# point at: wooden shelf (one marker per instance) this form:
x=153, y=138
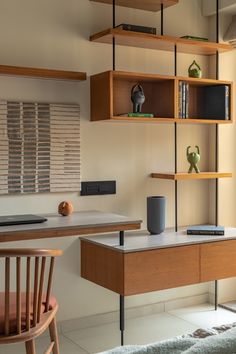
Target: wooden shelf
x=42, y=73
x=110, y=98
x=157, y=120
x=148, y=5
x=166, y=43
x=191, y=176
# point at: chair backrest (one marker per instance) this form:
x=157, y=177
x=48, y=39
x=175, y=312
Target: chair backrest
x=29, y=282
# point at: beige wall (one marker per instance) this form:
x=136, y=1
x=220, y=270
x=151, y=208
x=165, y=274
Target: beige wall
x=54, y=34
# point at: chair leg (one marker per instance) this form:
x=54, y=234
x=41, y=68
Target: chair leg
x=30, y=347
x=54, y=336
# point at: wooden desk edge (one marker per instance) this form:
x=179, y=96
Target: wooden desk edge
x=63, y=232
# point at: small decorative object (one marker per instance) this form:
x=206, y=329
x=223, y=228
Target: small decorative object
x=194, y=70
x=193, y=158
x=138, y=98
x=65, y=208
x=156, y=214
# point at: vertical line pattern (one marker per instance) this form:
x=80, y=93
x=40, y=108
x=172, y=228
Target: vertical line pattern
x=39, y=147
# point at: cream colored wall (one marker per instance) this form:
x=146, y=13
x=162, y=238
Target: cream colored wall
x=54, y=34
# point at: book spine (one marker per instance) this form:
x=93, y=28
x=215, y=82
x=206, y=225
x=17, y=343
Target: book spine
x=227, y=102
x=187, y=101
x=180, y=100
x=184, y=100
x=199, y=232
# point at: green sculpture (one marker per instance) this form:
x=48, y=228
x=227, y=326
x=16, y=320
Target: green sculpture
x=194, y=70
x=193, y=158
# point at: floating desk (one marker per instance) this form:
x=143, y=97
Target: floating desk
x=79, y=223
x=150, y=263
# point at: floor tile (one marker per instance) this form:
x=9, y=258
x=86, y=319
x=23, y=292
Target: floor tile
x=138, y=331
x=66, y=347
x=205, y=315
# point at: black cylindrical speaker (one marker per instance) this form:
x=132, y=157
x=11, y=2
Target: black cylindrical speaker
x=156, y=206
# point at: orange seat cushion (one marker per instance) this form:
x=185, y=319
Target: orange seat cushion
x=13, y=308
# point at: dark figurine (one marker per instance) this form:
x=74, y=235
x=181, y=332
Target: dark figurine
x=138, y=98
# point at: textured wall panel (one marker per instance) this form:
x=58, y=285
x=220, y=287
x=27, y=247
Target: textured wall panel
x=39, y=147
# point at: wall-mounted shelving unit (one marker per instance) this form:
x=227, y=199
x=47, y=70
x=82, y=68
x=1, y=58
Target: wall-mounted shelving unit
x=110, y=93
x=147, y=5
x=42, y=73
x=110, y=97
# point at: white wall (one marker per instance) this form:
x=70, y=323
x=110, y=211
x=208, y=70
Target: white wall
x=54, y=34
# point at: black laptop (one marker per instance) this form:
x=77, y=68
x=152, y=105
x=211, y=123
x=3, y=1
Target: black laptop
x=21, y=219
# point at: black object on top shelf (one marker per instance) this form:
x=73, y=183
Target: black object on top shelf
x=137, y=28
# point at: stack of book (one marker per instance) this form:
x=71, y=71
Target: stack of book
x=183, y=99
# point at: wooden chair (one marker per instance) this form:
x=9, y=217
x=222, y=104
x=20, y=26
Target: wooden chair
x=27, y=311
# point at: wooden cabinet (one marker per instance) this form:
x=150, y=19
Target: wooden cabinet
x=139, y=272
x=218, y=260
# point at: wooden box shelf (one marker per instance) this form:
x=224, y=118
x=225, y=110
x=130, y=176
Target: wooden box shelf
x=158, y=42
x=191, y=176
x=110, y=98
x=199, y=102
x=110, y=94
x=148, y=5
x=42, y=73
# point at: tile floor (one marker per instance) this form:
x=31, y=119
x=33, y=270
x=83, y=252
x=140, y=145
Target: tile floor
x=138, y=331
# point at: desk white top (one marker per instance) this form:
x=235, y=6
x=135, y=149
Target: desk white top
x=142, y=240
x=78, y=223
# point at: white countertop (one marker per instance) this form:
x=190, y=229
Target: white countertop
x=141, y=240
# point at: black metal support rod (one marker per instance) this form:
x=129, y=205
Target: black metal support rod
x=176, y=206
x=216, y=295
x=122, y=319
x=162, y=19
x=113, y=53
x=217, y=21
x=176, y=60
x=217, y=65
x=113, y=39
x=176, y=167
x=121, y=238
x=217, y=144
x=114, y=13
x=176, y=183
x=217, y=169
